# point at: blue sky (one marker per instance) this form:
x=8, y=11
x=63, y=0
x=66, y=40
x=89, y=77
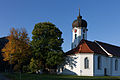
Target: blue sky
x=103, y=17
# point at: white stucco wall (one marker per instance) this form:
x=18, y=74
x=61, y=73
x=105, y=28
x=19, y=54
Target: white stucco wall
x=89, y=71
x=108, y=63
x=115, y=72
x=75, y=65
x=76, y=41
x=79, y=33
x=104, y=60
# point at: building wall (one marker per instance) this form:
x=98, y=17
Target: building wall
x=115, y=72
x=104, y=60
x=80, y=32
x=75, y=65
x=89, y=71
x=107, y=63
x=76, y=41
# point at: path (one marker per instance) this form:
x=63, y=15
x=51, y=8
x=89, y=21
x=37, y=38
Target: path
x=2, y=77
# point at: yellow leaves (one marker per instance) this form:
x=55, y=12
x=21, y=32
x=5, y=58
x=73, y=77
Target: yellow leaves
x=17, y=46
x=8, y=50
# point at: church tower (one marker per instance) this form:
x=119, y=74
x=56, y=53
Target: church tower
x=79, y=30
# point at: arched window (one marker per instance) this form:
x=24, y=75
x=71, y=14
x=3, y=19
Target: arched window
x=83, y=36
x=99, y=62
x=116, y=64
x=75, y=36
x=86, y=63
x=75, y=45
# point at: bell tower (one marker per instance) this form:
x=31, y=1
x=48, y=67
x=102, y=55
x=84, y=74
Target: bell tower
x=79, y=30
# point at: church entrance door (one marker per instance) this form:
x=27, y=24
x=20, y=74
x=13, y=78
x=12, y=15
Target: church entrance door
x=105, y=72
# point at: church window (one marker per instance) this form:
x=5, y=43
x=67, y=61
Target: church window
x=83, y=30
x=99, y=62
x=116, y=64
x=83, y=36
x=62, y=69
x=75, y=45
x=86, y=63
x=75, y=36
x=72, y=46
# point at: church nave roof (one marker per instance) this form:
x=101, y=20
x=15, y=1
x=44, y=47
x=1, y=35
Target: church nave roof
x=98, y=47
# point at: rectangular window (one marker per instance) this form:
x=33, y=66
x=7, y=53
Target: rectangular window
x=83, y=36
x=72, y=46
x=99, y=62
x=116, y=65
x=75, y=36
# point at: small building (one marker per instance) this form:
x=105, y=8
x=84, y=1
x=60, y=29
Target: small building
x=3, y=65
x=90, y=58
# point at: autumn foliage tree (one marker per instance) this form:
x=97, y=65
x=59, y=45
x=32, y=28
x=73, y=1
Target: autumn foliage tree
x=17, y=51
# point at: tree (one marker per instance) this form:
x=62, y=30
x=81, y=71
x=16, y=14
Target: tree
x=17, y=51
x=46, y=44
x=34, y=65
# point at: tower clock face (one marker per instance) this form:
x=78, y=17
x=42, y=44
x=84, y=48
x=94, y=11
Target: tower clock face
x=75, y=30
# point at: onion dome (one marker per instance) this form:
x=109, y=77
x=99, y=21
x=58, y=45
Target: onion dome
x=79, y=22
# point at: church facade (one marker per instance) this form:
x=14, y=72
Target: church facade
x=90, y=58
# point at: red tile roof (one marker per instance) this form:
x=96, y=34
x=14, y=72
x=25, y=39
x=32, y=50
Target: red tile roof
x=86, y=46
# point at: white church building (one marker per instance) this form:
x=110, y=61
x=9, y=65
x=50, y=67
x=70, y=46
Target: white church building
x=90, y=58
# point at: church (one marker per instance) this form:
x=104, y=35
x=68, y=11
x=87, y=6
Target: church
x=89, y=58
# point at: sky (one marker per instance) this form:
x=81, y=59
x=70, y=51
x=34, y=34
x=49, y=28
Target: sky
x=102, y=16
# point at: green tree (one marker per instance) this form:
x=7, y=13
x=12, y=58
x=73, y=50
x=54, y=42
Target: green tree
x=34, y=65
x=46, y=44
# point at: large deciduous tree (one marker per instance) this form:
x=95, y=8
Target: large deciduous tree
x=46, y=44
x=17, y=51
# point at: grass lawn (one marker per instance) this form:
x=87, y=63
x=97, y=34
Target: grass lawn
x=27, y=76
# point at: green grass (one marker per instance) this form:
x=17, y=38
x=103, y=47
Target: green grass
x=27, y=76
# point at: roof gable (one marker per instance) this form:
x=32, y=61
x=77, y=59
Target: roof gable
x=98, y=47
x=112, y=49
x=86, y=46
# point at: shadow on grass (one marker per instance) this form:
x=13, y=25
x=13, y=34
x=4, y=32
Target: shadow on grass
x=27, y=76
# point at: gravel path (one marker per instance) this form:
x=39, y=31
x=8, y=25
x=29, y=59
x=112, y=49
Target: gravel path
x=2, y=77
